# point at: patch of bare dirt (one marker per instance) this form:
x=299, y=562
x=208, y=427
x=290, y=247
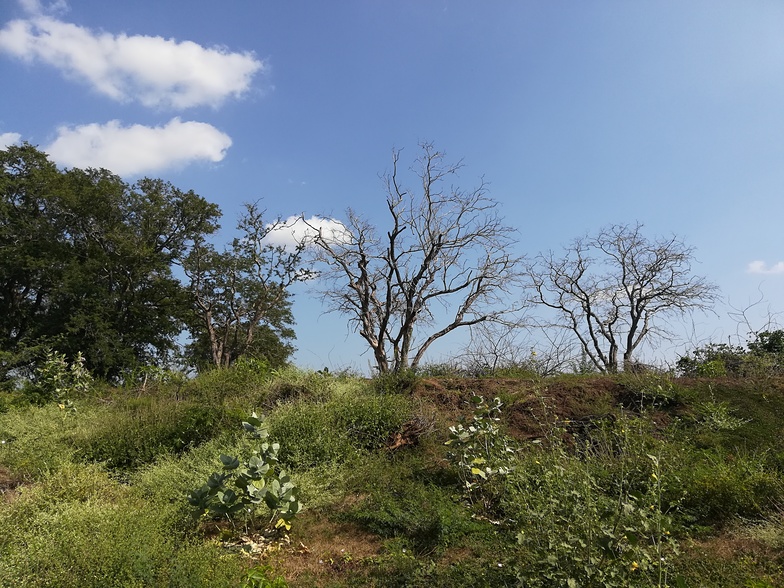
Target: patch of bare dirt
x=322, y=550
x=530, y=406
x=8, y=484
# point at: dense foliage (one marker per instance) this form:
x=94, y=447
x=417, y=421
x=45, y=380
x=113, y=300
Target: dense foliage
x=414, y=478
x=763, y=355
x=88, y=265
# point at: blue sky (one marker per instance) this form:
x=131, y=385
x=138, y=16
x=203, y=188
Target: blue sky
x=578, y=114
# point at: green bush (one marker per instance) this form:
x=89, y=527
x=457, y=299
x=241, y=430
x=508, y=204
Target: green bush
x=35, y=441
x=648, y=391
x=311, y=434
x=424, y=515
x=138, y=430
x=715, y=488
x=478, y=449
x=79, y=528
x=308, y=436
x=762, y=358
x=395, y=382
x=596, y=516
x=258, y=481
x=369, y=420
x=168, y=480
x=398, y=567
x=293, y=384
x=86, y=544
x=56, y=380
x=247, y=378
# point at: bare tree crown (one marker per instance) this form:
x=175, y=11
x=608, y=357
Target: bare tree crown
x=609, y=290
x=443, y=247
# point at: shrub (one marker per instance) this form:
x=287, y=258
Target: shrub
x=334, y=432
x=258, y=481
x=593, y=519
x=247, y=378
x=369, y=420
x=395, y=382
x=101, y=545
x=648, y=391
x=716, y=488
x=35, y=441
x=763, y=357
x=308, y=436
x=423, y=515
x=79, y=528
x=293, y=384
x=58, y=381
x=713, y=357
x=138, y=430
x=479, y=450
x=260, y=578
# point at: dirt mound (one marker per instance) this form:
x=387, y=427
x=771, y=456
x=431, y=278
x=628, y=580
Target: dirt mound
x=529, y=406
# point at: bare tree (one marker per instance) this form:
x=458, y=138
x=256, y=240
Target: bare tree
x=617, y=289
x=443, y=263
x=758, y=312
x=495, y=347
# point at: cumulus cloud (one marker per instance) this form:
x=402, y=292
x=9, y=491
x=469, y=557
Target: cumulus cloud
x=8, y=139
x=294, y=230
x=136, y=149
x=760, y=267
x=155, y=71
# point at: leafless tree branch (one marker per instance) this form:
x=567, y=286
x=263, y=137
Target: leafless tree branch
x=445, y=254
x=615, y=290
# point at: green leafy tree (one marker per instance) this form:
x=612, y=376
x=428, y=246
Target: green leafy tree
x=240, y=296
x=768, y=342
x=87, y=263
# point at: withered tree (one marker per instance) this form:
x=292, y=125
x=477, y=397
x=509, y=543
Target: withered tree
x=617, y=289
x=444, y=261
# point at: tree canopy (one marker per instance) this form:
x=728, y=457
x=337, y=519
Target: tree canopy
x=87, y=264
x=240, y=296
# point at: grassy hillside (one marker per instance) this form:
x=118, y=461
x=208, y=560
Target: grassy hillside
x=630, y=480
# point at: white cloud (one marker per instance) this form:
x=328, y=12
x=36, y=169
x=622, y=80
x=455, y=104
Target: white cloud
x=136, y=149
x=8, y=139
x=295, y=230
x=760, y=267
x=37, y=7
x=155, y=71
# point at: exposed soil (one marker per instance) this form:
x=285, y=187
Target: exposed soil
x=321, y=548
x=531, y=407
x=8, y=484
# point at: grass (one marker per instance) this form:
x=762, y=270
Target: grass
x=631, y=480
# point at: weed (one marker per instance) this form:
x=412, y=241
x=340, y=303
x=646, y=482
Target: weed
x=59, y=381
x=717, y=487
x=717, y=416
x=80, y=529
x=573, y=532
x=395, y=382
x=478, y=448
x=257, y=482
x=259, y=577
x=425, y=516
x=138, y=430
